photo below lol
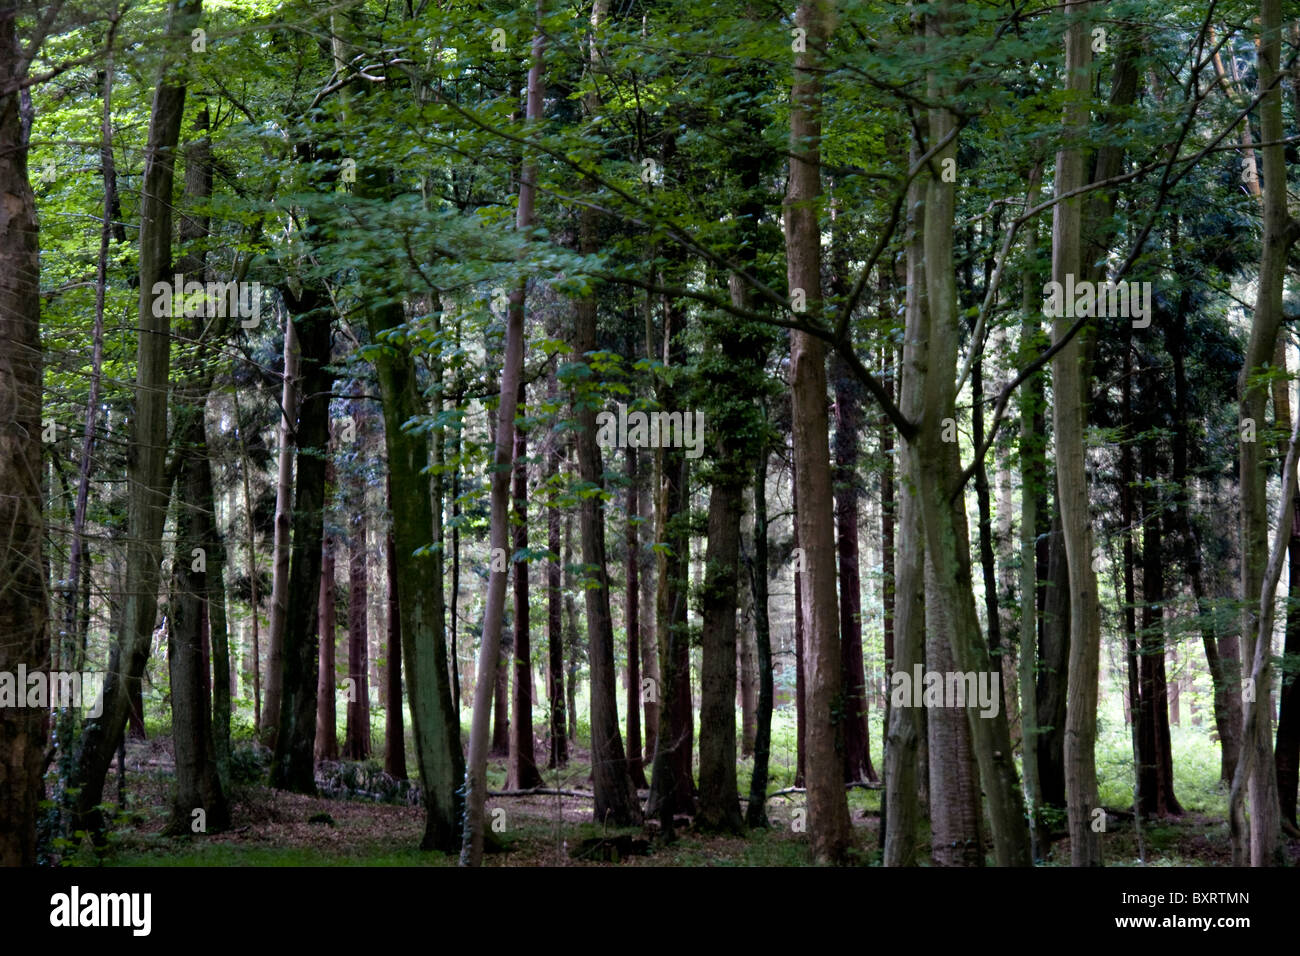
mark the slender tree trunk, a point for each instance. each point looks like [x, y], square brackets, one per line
[356, 739]
[1256, 772]
[327, 734]
[1156, 764]
[522, 769]
[559, 750]
[904, 731]
[828, 815]
[289, 393]
[848, 421]
[1286, 741]
[1072, 481]
[147, 501]
[292, 763]
[571, 639]
[632, 614]
[944, 513]
[511, 378]
[955, 814]
[394, 734]
[719, 804]
[672, 785]
[756, 811]
[1033, 490]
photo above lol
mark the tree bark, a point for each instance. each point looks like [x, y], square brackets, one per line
[522, 766]
[356, 738]
[559, 749]
[292, 762]
[1256, 770]
[828, 815]
[289, 394]
[756, 810]
[394, 733]
[632, 616]
[511, 377]
[1072, 481]
[147, 500]
[327, 734]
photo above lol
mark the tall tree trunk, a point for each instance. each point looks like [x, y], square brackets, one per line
[904, 731]
[756, 811]
[943, 512]
[501, 696]
[522, 768]
[955, 813]
[511, 377]
[828, 814]
[632, 615]
[1156, 763]
[672, 785]
[559, 749]
[394, 733]
[327, 734]
[292, 762]
[147, 500]
[289, 394]
[719, 803]
[571, 639]
[435, 724]
[1033, 493]
[200, 554]
[848, 421]
[1069, 390]
[356, 739]
[1287, 752]
[1256, 772]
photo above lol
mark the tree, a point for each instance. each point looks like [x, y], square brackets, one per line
[828, 814]
[148, 496]
[24, 607]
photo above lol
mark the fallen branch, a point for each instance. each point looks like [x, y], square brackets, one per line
[541, 792]
[857, 784]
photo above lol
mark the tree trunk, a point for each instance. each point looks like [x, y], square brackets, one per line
[1256, 771]
[289, 394]
[292, 763]
[828, 815]
[1069, 393]
[1033, 498]
[327, 735]
[559, 750]
[394, 733]
[356, 739]
[147, 499]
[719, 803]
[434, 724]
[903, 735]
[955, 813]
[756, 811]
[1156, 758]
[672, 785]
[632, 615]
[511, 377]
[522, 768]
[848, 420]
[944, 512]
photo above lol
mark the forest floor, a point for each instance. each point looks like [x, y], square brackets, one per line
[278, 828]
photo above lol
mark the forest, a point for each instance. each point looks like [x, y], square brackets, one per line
[649, 433]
